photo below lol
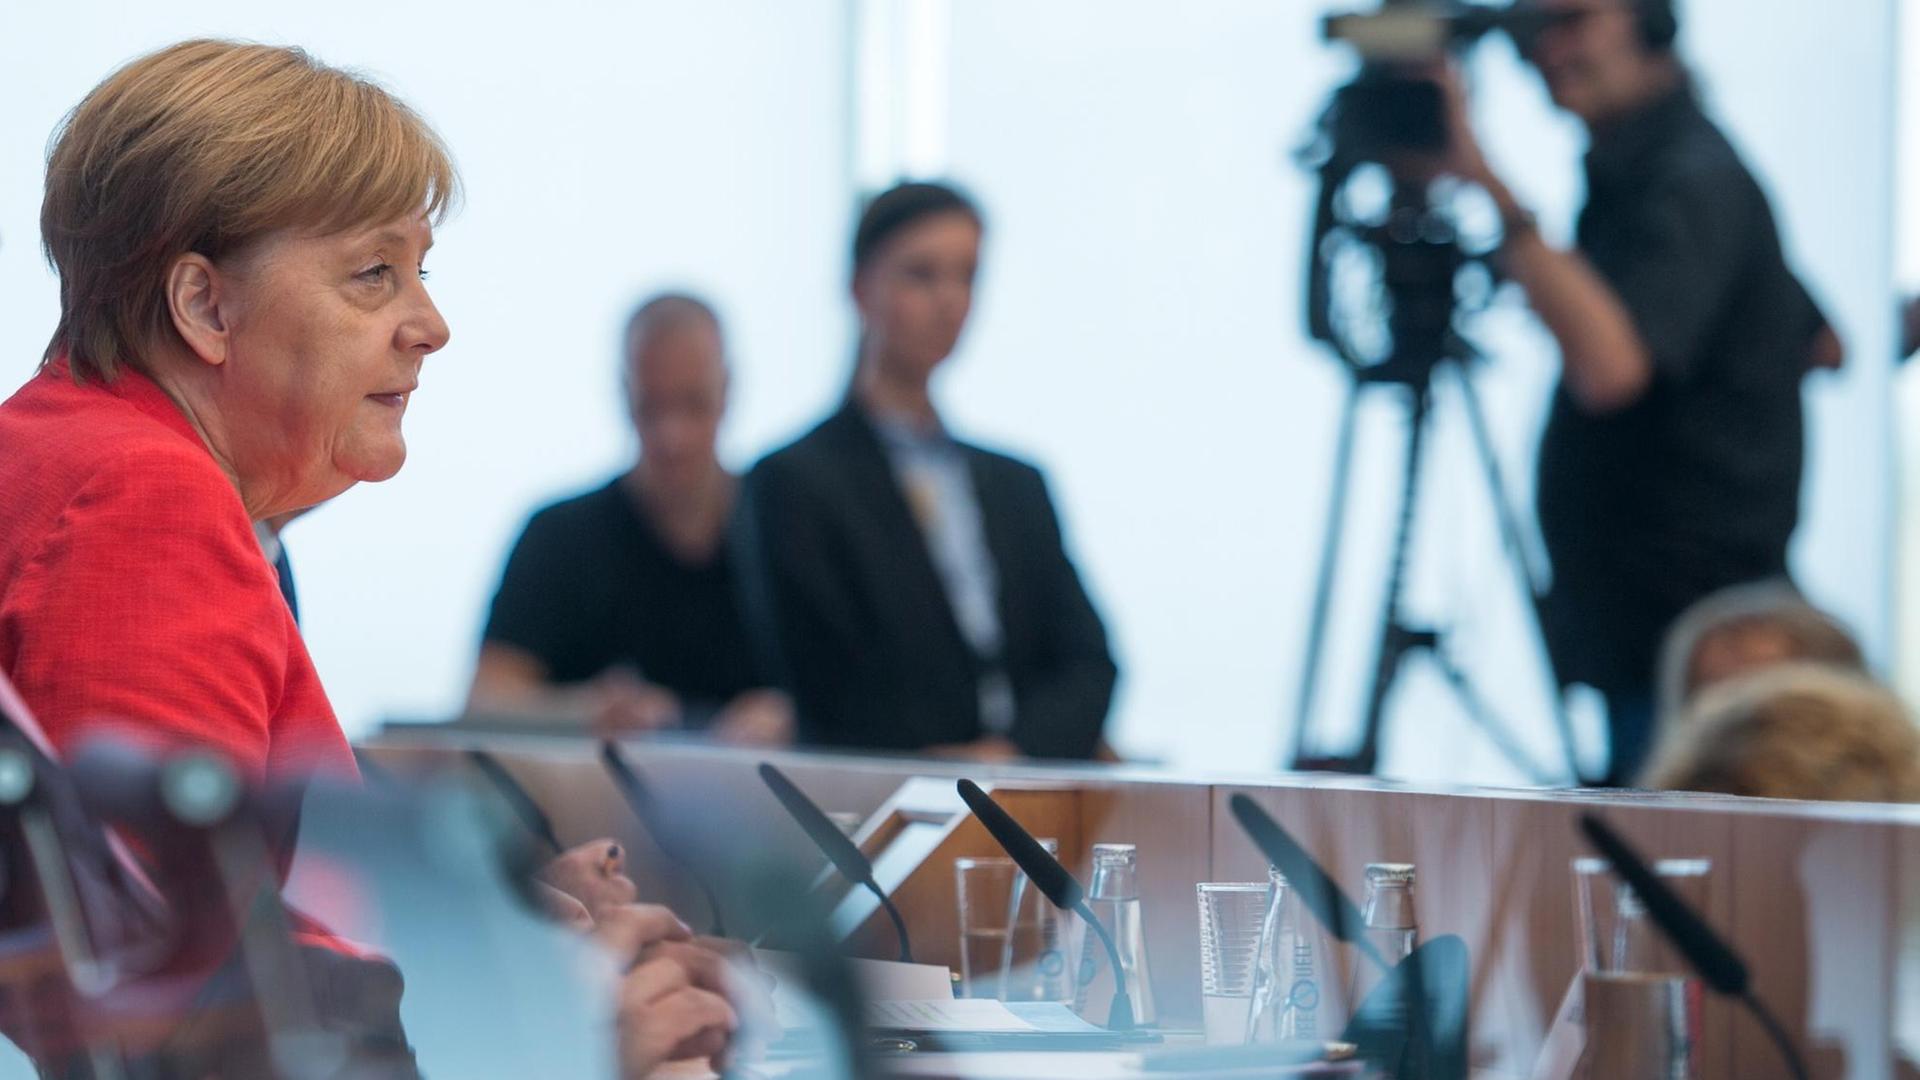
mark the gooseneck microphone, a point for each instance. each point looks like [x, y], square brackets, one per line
[516, 798]
[1054, 882]
[640, 801]
[1311, 882]
[842, 852]
[1718, 965]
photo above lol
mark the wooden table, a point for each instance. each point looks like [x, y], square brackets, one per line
[1824, 899]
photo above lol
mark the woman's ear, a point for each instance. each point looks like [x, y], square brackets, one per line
[194, 298]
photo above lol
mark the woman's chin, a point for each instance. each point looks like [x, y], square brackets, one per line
[381, 463]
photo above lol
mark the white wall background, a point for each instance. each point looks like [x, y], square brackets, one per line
[1138, 322]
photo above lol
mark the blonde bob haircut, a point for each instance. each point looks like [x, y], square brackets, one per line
[207, 146]
[1795, 731]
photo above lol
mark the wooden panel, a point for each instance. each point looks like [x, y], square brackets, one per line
[1813, 905]
[1905, 945]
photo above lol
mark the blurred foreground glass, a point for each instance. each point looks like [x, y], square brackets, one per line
[1231, 916]
[1011, 942]
[1641, 1006]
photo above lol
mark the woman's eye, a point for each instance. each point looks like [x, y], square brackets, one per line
[375, 273]
[425, 273]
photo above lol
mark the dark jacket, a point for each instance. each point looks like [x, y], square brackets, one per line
[845, 600]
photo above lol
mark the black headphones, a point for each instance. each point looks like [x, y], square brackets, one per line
[1659, 23]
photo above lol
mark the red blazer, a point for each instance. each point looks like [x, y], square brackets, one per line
[133, 593]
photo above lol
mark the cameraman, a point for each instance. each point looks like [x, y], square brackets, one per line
[1670, 465]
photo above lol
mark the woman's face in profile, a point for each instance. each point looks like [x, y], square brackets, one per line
[327, 339]
[915, 294]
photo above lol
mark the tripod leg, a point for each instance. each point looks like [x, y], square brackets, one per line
[1395, 638]
[1329, 566]
[1483, 718]
[1522, 561]
[1511, 534]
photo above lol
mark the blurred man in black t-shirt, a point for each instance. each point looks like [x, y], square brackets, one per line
[1671, 462]
[620, 607]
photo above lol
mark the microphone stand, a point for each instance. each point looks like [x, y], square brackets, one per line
[1120, 1014]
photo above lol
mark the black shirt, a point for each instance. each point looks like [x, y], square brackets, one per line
[1695, 485]
[591, 586]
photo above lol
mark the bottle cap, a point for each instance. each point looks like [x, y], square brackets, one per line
[1113, 853]
[1383, 873]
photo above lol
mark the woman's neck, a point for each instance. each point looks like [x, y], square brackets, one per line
[186, 381]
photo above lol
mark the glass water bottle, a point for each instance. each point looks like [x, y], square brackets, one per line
[1114, 896]
[1287, 1001]
[1392, 925]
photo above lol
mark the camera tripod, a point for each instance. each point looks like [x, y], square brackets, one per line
[1420, 260]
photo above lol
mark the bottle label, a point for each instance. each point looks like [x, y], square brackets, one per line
[1303, 997]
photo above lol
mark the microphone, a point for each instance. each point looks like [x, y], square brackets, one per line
[1311, 882]
[122, 782]
[516, 798]
[167, 795]
[640, 801]
[1718, 965]
[1054, 882]
[833, 843]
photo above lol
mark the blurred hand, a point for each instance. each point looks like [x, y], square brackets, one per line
[629, 930]
[746, 991]
[594, 873]
[1827, 352]
[661, 1016]
[679, 998]
[1463, 157]
[757, 718]
[619, 702]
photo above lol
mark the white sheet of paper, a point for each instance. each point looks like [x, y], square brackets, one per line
[890, 980]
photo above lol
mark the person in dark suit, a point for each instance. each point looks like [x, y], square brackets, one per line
[915, 589]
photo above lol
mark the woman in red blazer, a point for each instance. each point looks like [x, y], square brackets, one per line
[243, 319]
[241, 236]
